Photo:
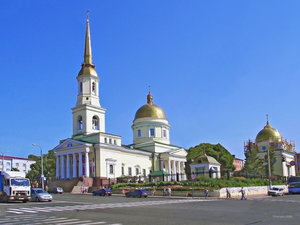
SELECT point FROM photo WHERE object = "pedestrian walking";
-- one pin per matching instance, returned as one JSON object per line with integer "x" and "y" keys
{"x": 228, "y": 194}
{"x": 164, "y": 192}
{"x": 206, "y": 193}
{"x": 169, "y": 191}
{"x": 81, "y": 189}
{"x": 243, "y": 194}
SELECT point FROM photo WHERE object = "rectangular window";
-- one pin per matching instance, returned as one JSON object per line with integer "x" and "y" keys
{"x": 115, "y": 142}
{"x": 139, "y": 133}
{"x": 122, "y": 170}
{"x": 152, "y": 132}
{"x": 136, "y": 171}
{"x": 110, "y": 141}
{"x": 144, "y": 172}
{"x": 17, "y": 164}
{"x": 129, "y": 171}
{"x": 164, "y": 133}
{"x": 111, "y": 169}
{"x": 105, "y": 140}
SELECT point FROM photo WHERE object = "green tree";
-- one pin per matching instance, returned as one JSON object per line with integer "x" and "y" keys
{"x": 254, "y": 166}
{"x": 221, "y": 154}
{"x": 49, "y": 165}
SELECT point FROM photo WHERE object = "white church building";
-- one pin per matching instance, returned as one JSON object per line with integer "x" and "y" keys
{"x": 93, "y": 153}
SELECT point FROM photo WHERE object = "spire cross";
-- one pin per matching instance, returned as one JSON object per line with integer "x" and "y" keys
{"x": 87, "y": 14}
{"x": 267, "y": 117}
{"x": 149, "y": 88}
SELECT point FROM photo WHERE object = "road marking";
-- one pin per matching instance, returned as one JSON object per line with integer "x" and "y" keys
{"x": 102, "y": 206}
{"x": 62, "y": 220}
{"x": 93, "y": 223}
{"x": 86, "y": 221}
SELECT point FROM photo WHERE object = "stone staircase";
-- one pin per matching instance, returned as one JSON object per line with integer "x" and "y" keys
{"x": 77, "y": 189}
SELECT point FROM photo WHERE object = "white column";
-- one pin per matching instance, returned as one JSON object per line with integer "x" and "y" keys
{"x": 68, "y": 166}
{"x": 57, "y": 167}
{"x": 169, "y": 169}
{"x": 62, "y": 166}
{"x": 162, "y": 164}
{"x": 87, "y": 164}
{"x": 80, "y": 164}
{"x": 74, "y": 166}
{"x": 173, "y": 170}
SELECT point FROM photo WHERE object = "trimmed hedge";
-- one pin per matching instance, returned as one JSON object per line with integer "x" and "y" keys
{"x": 203, "y": 182}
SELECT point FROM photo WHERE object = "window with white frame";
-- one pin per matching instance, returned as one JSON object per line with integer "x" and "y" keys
{"x": 111, "y": 169}
{"x": 79, "y": 123}
{"x": 115, "y": 142}
{"x": 122, "y": 169}
{"x": 137, "y": 171}
{"x": 152, "y": 132}
{"x": 105, "y": 140}
{"x": 139, "y": 133}
{"x": 144, "y": 172}
{"x": 164, "y": 133}
{"x": 94, "y": 88}
{"x": 95, "y": 123}
{"x": 129, "y": 171}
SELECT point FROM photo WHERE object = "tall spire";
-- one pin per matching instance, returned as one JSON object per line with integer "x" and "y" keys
{"x": 88, "y": 48}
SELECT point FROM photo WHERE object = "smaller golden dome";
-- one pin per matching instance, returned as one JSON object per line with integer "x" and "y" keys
{"x": 87, "y": 70}
{"x": 150, "y": 110}
{"x": 268, "y": 133}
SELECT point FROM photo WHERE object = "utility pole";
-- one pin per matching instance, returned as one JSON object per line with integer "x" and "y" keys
{"x": 42, "y": 168}
{"x": 269, "y": 166}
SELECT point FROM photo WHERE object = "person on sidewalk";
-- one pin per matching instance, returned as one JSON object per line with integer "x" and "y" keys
{"x": 169, "y": 191}
{"x": 228, "y": 195}
{"x": 206, "y": 193}
{"x": 243, "y": 194}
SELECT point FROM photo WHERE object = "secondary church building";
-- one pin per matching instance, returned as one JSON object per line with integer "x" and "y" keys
{"x": 91, "y": 152}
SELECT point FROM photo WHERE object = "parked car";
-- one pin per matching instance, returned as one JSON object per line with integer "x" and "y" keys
{"x": 103, "y": 192}
{"x": 137, "y": 193}
{"x": 39, "y": 194}
{"x": 56, "y": 190}
{"x": 276, "y": 191}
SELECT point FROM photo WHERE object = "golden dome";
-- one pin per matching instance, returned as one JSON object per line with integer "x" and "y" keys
{"x": 150, "y": 110}
{"x": 268, "y": 133}
{"x": 87, "y": 70}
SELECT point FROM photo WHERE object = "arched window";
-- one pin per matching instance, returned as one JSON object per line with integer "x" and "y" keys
{"x": 79, "y": 123}
{"x": 95, "y": 123}
{"x": 94, "y": 87}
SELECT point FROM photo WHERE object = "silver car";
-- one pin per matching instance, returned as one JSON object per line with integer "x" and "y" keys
{"x": 39, "y": 194}
{"x": 276, "y": 191}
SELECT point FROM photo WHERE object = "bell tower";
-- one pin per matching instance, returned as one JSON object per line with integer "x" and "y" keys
{"x": 88, "y": 115}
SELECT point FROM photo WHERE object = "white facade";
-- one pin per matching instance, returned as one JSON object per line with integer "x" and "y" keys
{"x": 93, "y": 153}
{"x": 9, "y": 162}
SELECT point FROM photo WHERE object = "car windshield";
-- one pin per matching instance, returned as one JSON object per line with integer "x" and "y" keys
{"x": 40, "y": 191}
{"x": 19, "y": 182}
{"x": 275, "y": 189}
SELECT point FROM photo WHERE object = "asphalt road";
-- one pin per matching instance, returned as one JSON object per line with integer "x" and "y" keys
{"x": 117, "y": 210}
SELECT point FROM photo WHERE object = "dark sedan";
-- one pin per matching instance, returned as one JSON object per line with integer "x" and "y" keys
{"x": 102, "y": 192}
{"x": 137, "y": 193}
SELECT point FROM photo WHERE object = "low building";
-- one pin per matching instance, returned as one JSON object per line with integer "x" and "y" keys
{"x": 9, "y": 163}
{"x": 238, "y": 164}
{"x": 206, "y": 166}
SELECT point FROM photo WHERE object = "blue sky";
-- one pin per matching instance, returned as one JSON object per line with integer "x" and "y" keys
{"x": 215, "y": 67}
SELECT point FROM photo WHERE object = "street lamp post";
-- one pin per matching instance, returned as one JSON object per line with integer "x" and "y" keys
{"x": 42, "y": 168}
{"x": 269, "y": 167}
